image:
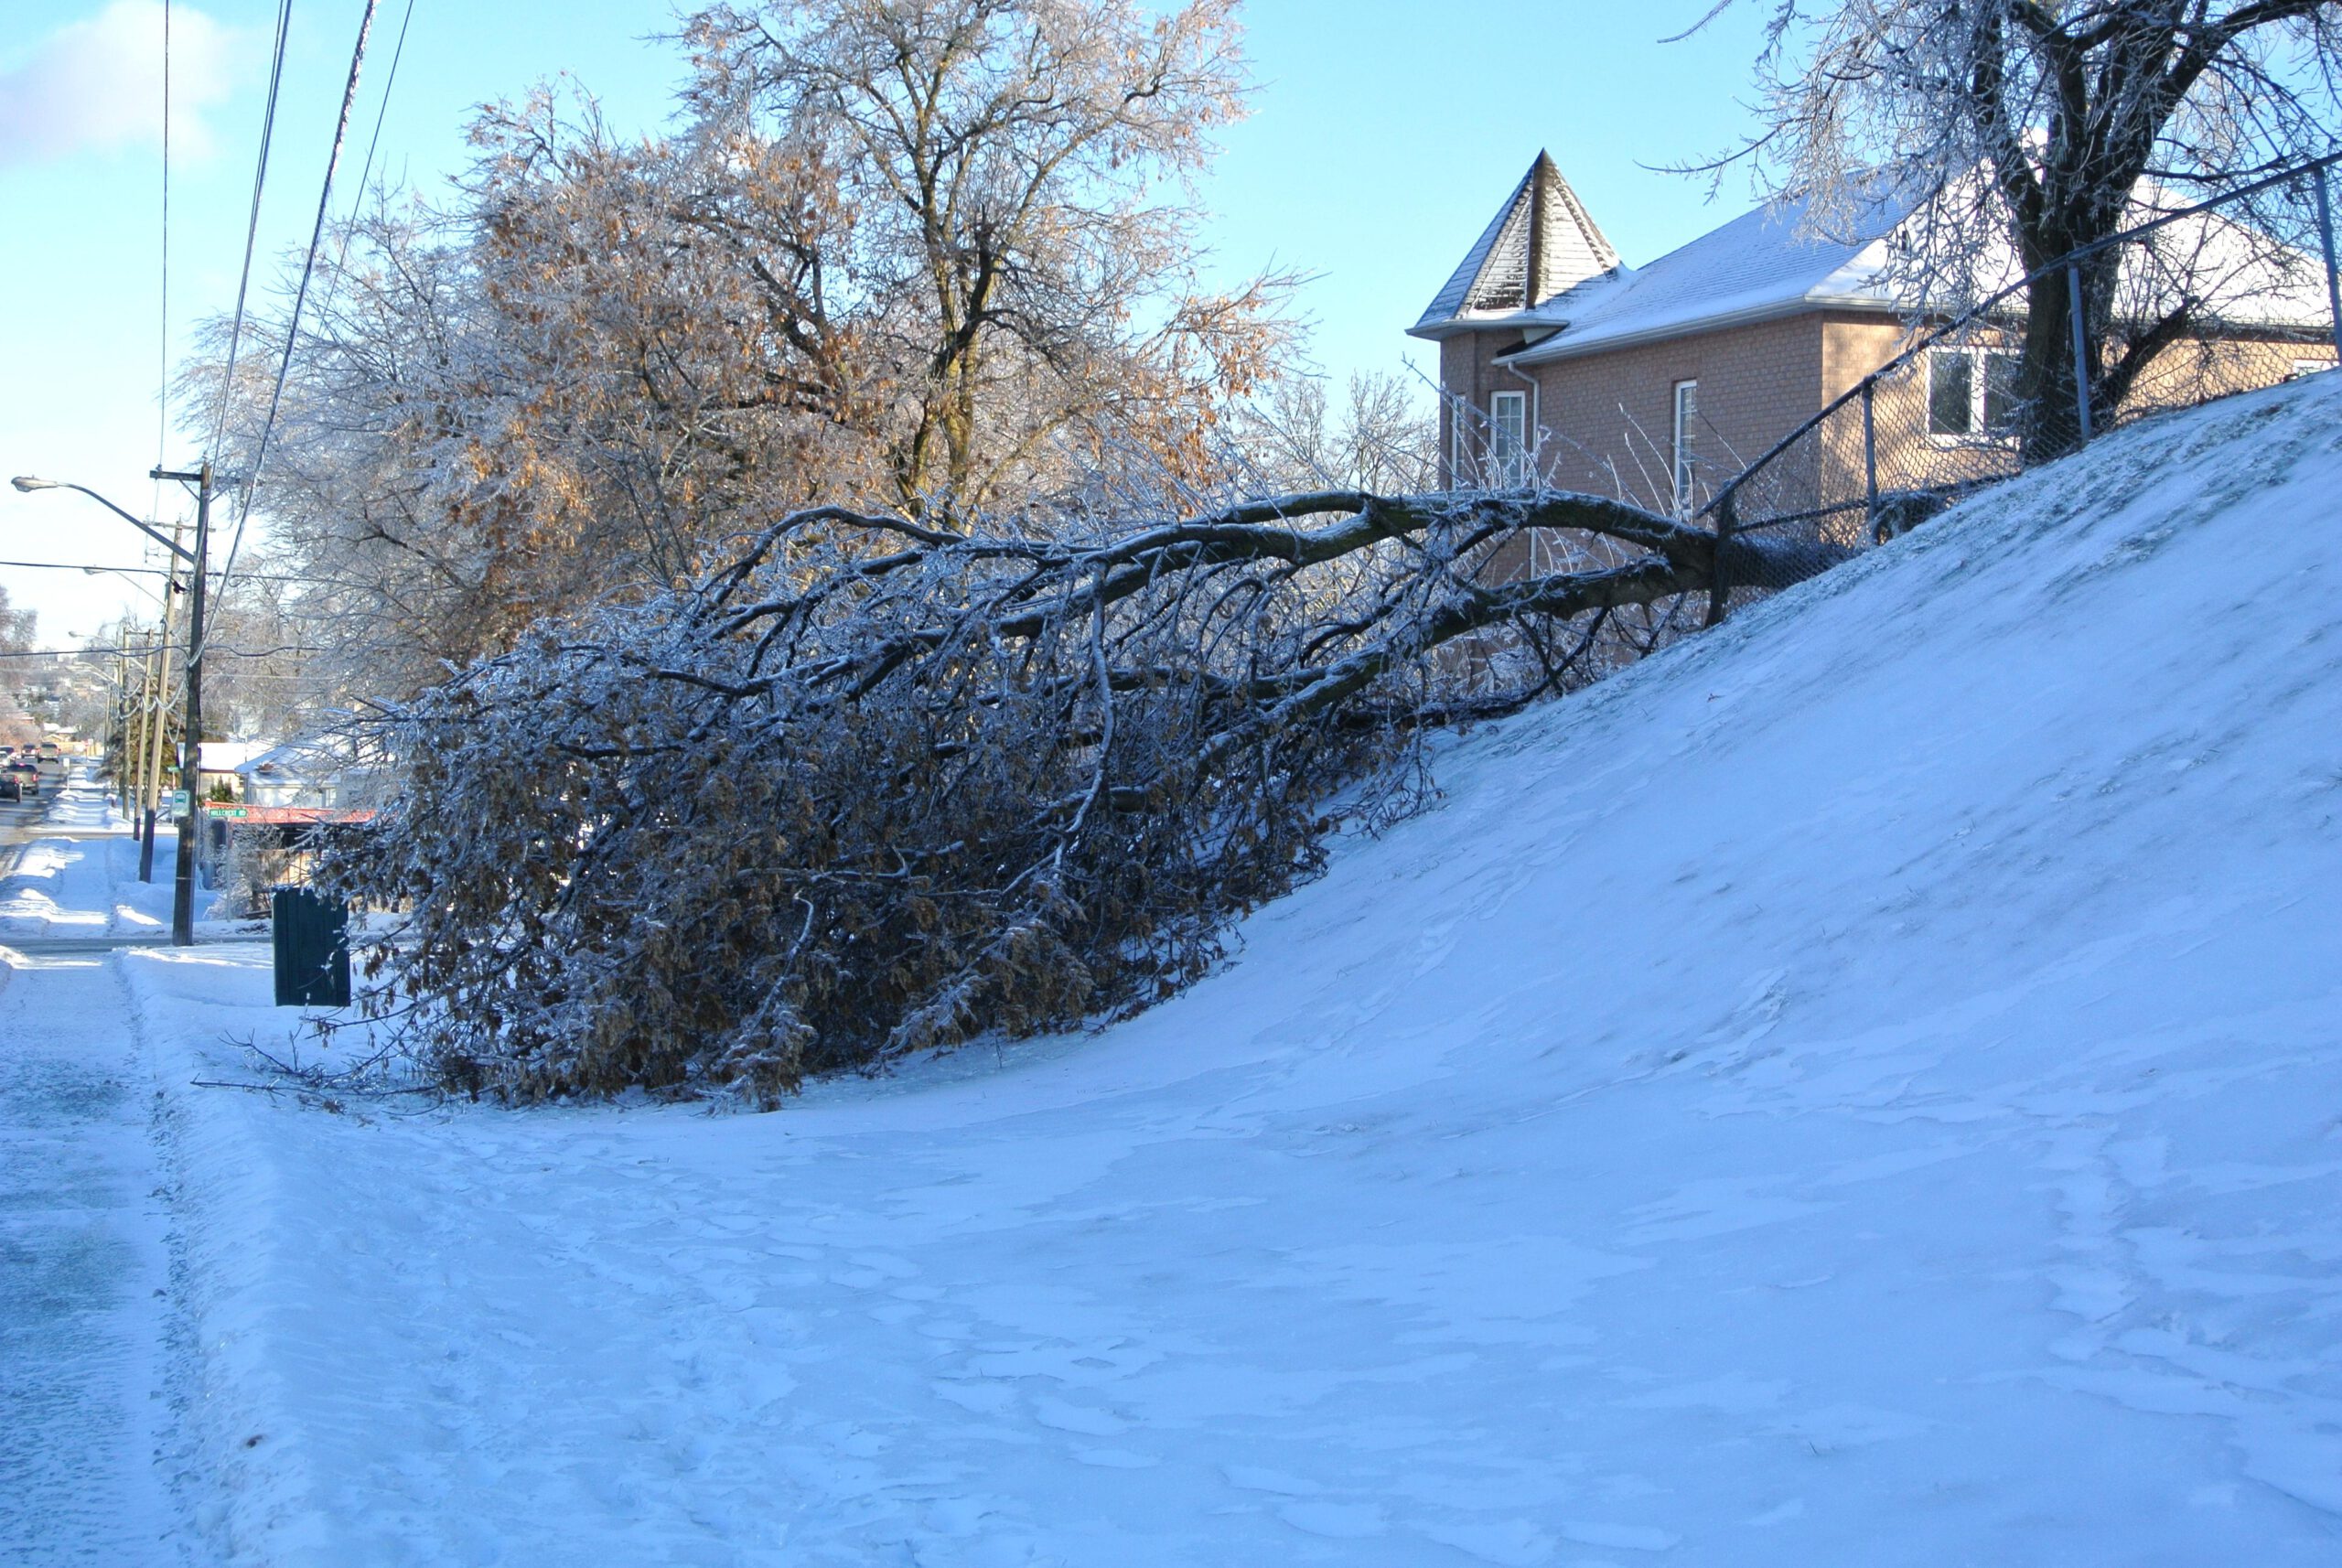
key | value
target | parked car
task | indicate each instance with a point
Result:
(9, 788)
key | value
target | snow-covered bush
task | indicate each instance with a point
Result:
(876, 787)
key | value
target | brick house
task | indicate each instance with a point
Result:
(1659, 382)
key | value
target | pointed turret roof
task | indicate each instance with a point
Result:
(1541, 242)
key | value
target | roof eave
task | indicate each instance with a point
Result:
(1562, 346)
(1460, 326)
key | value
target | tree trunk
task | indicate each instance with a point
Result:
(2050, 422)
(2044, 380)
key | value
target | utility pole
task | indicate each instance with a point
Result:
(153, 759)
(134, 763)
(191, 754)
(153, 673)
(121, 712)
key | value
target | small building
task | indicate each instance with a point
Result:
(284, 793)
(303, 773)
(1560, 363)
(222, 762)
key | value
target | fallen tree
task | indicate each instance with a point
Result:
(876, 787)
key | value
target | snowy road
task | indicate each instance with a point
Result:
(83, 1276)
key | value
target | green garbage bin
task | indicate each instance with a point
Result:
(312, 946)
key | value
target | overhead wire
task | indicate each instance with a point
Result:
(163, 308)
(176, 586)
(250, 479)
(382, 110)
(366, 168)
(251, 224)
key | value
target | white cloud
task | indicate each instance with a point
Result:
(97, 84)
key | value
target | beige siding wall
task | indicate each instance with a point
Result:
(1909, 457)
(2196, 371)
(1607, 420)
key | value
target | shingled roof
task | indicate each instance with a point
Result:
(1541, 242)
(1762, 264)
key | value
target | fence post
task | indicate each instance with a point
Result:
(1870, 455)
(2325, 238)
(1727, 524)
(2081, 348)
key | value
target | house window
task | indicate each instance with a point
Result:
(1971, 392)
(1508, 439)
(1687, 416)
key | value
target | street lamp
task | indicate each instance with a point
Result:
(27, 483)
(125, 574)
(141, 771)
(191, 756)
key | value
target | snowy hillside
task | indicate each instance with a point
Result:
(1864, 1088)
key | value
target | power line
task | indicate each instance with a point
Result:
(252, 225)
(381, 111)
(160, 572)
(366, 169)
(163, 332)
(163, 647)
(300, 295)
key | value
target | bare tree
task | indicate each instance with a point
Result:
(1009, 259)
(2033, 128)
(17, 626)
(936, 258)
(876, 786)
(18, 674)
(1381, 435)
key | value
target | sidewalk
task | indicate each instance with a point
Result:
(75, 874)
(70, 885)
(87, 1337)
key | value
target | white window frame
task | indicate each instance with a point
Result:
(1508, 444)
(1979, 433)
(1684, 413)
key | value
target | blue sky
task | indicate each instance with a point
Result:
(1383, 134)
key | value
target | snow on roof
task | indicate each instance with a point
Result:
(230, 756)
(2228, 274)
(293, 758)
(1759, 264)
(1765, 264)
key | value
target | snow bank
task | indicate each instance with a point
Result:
(1860, 1088)
(243, 1482)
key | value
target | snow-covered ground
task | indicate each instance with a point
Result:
(1863, 1088)
(79, 878)
(86, 1332)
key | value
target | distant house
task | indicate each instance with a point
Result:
(282, 793)
(222, 761)
(1659, 382)
(303, 774)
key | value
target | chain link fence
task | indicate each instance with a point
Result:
(2227, 295)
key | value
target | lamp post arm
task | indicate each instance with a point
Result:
(157, 534)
